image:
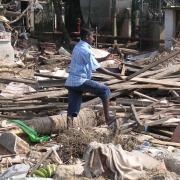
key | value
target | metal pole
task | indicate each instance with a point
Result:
(141, 22)
(96, 37)
(89, 14)
(114, 22)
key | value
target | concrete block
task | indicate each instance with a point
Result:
(68, 171)
(13, 143)
(172, 162)
(6, 50)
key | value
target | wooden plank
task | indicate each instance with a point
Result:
(157, 122)
(48, 76)
(157, 136)
(136, 102)
(156, 115)
(129, 51)
(153, 64)
(150, 73)
(16, 117)
(168, 88)
(51, 83)
(174, 93)
(40, 95)
(148, 107)
(127, 115)
(8, 80)
(98, 100)
(169, 70)
(160, 131)
(36, 107)
(159, 82)
(113, 81)
(145, 96)
(121, 87)
(136, 115)
(165, 143)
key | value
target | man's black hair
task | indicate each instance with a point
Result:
(85, 32)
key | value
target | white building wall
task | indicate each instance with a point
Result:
(170, 27)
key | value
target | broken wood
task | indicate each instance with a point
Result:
(169, 70)
(174, 93)
(157, 122)
(157, 136)
(48, 76)
(8, 80)
(159, 82)
(165, 143)
(145, 96)
(153, 64)
(136, 115)
(40, 95)
(36, 107)
(98, 100)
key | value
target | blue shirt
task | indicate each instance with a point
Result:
(83, 63)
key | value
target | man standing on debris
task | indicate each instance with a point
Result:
(82, 65)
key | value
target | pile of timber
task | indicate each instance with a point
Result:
(148, 98)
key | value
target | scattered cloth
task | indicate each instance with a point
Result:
(14, 90)
(102, 158)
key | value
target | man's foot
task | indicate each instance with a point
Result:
(70, 122)
(111, 121)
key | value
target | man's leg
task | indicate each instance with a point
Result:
(106, 111)
(101, 91)
(74, 104)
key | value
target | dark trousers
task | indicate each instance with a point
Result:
(75, 95)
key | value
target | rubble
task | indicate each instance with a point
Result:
(13, 143)
(145, 105)
(173, 162)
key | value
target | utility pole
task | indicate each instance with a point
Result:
(89, 14)
(114, 3)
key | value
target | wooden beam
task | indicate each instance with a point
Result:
(48, 76)
(153, 64)
(157, 122)
(40, 95)
(174, 93)
(32, 107)
(169, 70)
(159, 82)
(136, 115)
(156, 115)
(98, 100)
(10, 79)
(165, 143)
(122, 86)
(148, 107)
(145, 96)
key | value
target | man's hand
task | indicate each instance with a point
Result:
(105, 71)
(118, 76)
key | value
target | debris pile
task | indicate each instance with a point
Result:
(33, 104)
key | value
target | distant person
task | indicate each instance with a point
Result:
(83, 63)
(4, 22)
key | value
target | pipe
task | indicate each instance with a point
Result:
(53, 124)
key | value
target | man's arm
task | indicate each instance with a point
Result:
(105, 71)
